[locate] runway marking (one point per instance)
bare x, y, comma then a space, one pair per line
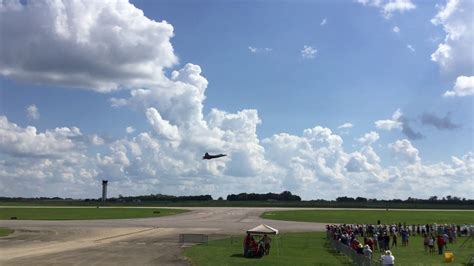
117, 236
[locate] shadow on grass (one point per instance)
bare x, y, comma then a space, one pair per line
240, 255
340, 257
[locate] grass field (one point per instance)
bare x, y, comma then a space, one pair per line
372, 216
313, 249
414, 254
5, 231
83, 213
293, 249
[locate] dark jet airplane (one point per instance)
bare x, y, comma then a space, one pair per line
209, 157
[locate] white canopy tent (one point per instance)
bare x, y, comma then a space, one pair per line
262, 230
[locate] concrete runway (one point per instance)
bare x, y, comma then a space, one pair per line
145, 241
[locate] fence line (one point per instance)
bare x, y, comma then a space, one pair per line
193, 239
356, 258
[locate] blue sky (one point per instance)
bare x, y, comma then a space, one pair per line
369, 59
362, 69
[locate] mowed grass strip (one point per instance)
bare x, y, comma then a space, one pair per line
5, 231
292, 249
414, 253
312, 248
372, 216
83, 213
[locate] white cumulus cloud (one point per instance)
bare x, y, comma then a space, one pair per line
397, 6
388, 7
406, 150
455, 53
366, 161
369, 138
316, 156
52, 162
33, 112
161, 126
464, 87
28, 142
389, 124
111, 43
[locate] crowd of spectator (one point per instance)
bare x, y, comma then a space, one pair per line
368, 238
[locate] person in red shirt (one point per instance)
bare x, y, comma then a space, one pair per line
253, 248
370, 242
355, 244
440, 241
247, 242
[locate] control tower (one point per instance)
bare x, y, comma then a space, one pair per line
104, 190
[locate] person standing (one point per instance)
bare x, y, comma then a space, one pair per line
371, 244
405, 236
407, 239
266, 242
425, 242
387, 241
441, 243
446, 241
367, 252
388, 259
431, 243
394, 240
247, 241
376, 242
